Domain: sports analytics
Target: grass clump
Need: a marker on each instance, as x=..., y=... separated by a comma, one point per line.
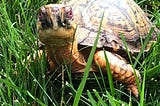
x=21, y=83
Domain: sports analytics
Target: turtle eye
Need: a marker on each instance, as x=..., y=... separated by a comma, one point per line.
x=69, y=13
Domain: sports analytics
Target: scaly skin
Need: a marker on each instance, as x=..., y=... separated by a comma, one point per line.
x=120, y=70
x=57, y=55
x=59, y=38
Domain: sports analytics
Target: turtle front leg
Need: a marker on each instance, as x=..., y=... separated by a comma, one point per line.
x=120, y=70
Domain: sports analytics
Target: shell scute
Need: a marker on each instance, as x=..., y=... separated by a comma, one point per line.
x=120, y=17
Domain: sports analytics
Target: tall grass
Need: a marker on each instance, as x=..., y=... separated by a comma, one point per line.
x=23, y=80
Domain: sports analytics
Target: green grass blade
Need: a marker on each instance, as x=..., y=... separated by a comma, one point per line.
x=98, y=82
x=110, y=79
x=114, y=101
x=128, y=53
x=99, y=98
x=143, y=89
x=144, y=45
x=110, y=98
x=91, y=99
x=19, y=90
x=86, y=71
x=74, y=90
x=37, y=100
x=101, y=73
x=42, y=88
x=126, y=47
x=153, y=71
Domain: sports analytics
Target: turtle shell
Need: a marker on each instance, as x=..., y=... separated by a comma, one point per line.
x=120, y=17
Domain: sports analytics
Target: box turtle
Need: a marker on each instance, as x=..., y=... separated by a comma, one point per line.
x=69, y=31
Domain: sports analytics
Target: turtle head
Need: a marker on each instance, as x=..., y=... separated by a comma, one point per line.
x=54, y=23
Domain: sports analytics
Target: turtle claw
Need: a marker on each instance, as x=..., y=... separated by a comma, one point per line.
x=133, y=88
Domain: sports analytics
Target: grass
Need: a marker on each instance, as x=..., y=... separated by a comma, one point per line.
x=24, y=81
x=86, y=71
